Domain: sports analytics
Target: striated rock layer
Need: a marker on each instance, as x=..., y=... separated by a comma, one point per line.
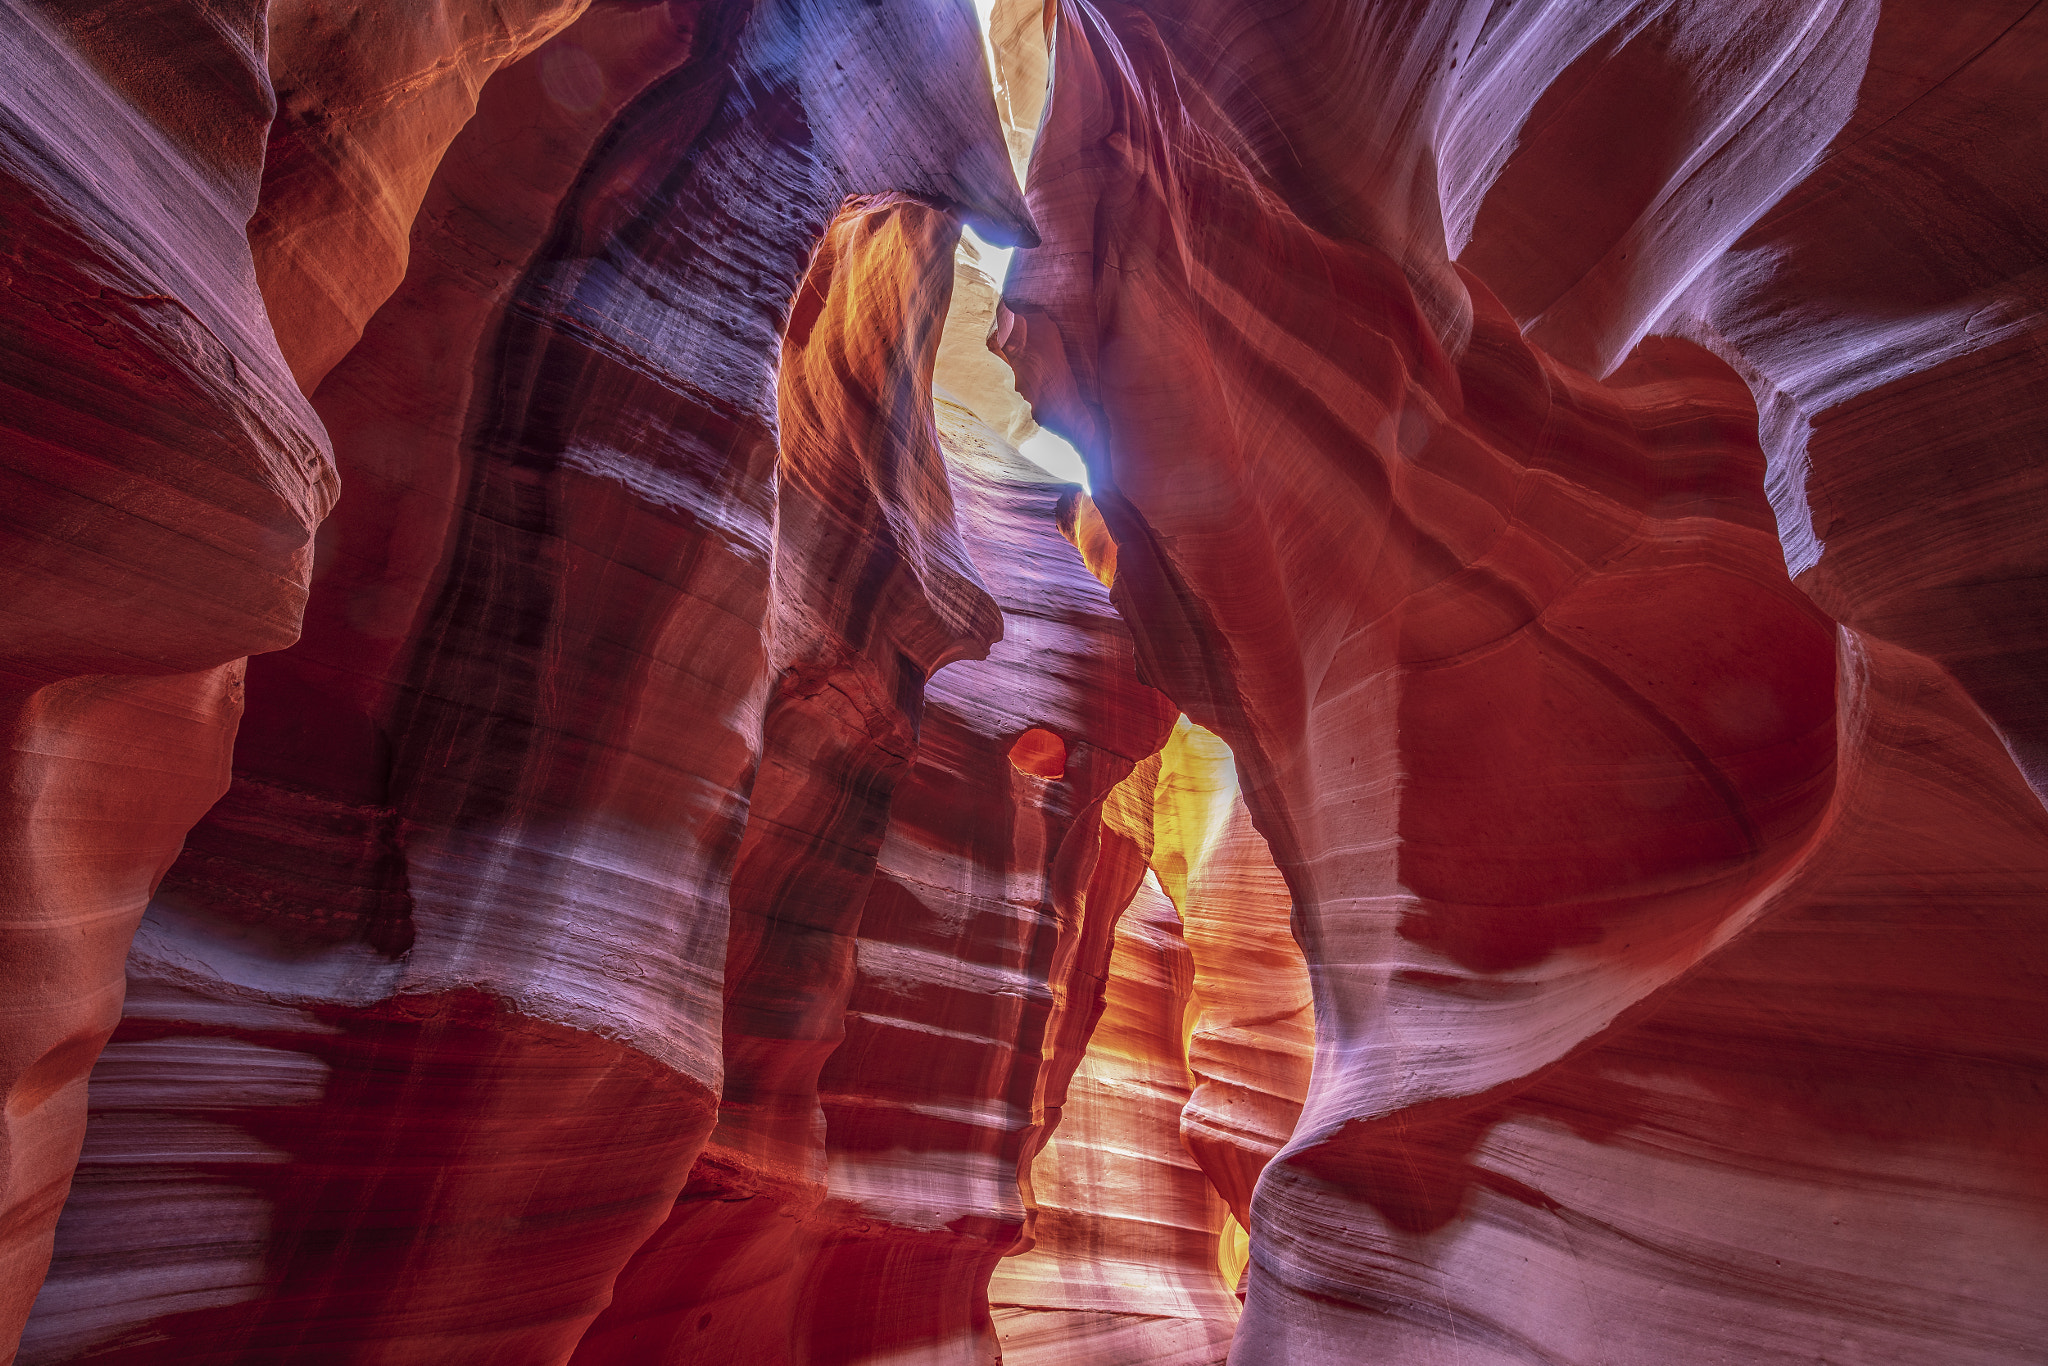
x=1250, y=1027
x=984, y=945
x=1550, y=750
x=160, y=479
x=1124, y=1263
x=902, y=937
x=692, y=857
x=423, y=1035
x=873, y=591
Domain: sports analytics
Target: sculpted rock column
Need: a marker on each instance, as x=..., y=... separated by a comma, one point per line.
x=1252, y=1035
x=872, y=591
x=160, y=479
x=468, y=923
x=985, y=940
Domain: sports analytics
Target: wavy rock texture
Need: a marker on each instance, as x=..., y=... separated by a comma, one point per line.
x=369, y=97
x=1251, y=1027
x=160, y=479
x=984, y=944
x=1891, y=314
x=1870, y=304
x=467, y=901
x=873, y=590
x=1124, y=1263
x=1575, y=461
x=1543, y=739
x=940, y=979
x=1191, y=1082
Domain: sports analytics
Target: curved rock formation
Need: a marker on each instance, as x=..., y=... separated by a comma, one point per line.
x=1251, y=1034
x=664, y=870
x=486, y=814
x=368, y=100
x=873, y=591
x=1536, y=725
x=160, y=479
x=1891, y=315
x=1124, y=1262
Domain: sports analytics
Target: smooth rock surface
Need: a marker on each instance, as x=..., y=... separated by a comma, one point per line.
x=693, y=859
x=470, y=888
x=160, y=480
x=1124, y=1264
x=1538, y=729
x=1251, y=1029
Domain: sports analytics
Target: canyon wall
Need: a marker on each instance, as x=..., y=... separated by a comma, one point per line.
x=572, y=796
x=1123, y=1265
x=1619, y=865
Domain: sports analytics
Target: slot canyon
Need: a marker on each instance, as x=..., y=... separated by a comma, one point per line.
x=1061, y=682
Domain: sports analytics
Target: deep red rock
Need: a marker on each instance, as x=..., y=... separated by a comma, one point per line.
x=1538, y=729
x=532, y=686
x=684, y=889
x=160, y=479
x=873, y=590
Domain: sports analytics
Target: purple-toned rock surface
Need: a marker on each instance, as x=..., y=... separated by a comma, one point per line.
x=572, y=796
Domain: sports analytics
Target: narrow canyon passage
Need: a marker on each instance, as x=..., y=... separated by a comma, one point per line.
x=1070, y=682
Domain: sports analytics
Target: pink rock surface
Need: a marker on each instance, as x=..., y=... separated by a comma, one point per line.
x=1537, y=727
x=485, y=819
x=680, y=893
x=985, y=941
x=160, y=479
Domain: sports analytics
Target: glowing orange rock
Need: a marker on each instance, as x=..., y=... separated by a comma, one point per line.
x=1040, y=753
x=468, y=901
x=369, y=98
x=872, y=591
x=1251, y=1033
x=1124, y=1262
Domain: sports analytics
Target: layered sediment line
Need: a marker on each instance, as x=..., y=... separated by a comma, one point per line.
x=572, y=794
x=1495, y=617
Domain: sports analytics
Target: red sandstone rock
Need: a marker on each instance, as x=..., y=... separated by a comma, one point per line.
x=487, y=812
x=872, y=591
x=160, y=478
x=369, y=97
x=1891, y=315
x=1539, y=731
x=969, y=967
x=1677, y=987
x=1251, y=1034
x=1124, y=1266
x=1887, y=309
x=984, y=943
